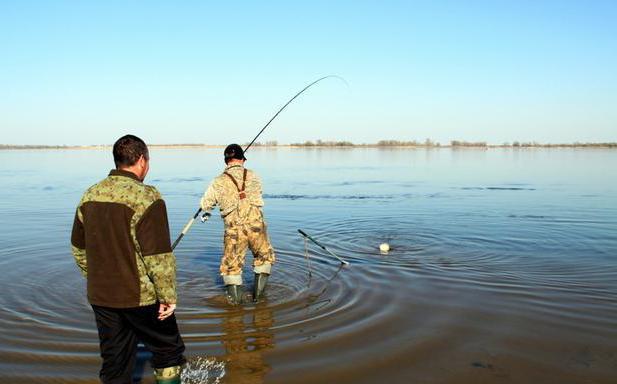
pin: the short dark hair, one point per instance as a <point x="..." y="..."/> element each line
<point x="128" y="149"/>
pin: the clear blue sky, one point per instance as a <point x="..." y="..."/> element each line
<point x="86" y="72"/>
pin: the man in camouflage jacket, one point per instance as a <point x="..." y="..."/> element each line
<point x="120" y="241"/>
<point x="237" y="191"/>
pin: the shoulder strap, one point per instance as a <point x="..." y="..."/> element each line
<point x="233" y="180"/>
<point x="243" y="180"/>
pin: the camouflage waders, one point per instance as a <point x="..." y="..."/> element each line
<point x="245" y="228"/>
<point x="237" y="191"/>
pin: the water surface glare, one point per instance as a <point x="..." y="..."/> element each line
<point x="502" y="268"/>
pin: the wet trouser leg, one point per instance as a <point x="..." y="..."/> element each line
<point x="263" y="255"/>
<point x="234" y="249"/>
<point x="118" y="345"/>
<point x="235" y="243"/>
<point x="259" y="243"/>
<point x="119" y="331"/>
<point x="161" y="337"/>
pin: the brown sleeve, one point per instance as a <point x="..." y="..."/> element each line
<point x="78" y="238"/>
<point x="153" y="230"/>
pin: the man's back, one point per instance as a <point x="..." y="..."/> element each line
<point x="225" y="190"/>
<point x="119" y="223"/>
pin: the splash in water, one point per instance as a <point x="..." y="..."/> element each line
<point x="202" y="370"/>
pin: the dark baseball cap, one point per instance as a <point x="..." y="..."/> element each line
<point x="233" y="151"/>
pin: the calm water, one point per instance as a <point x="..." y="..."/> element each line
<point x="503" y="267"/>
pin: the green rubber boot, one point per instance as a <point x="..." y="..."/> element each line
<point x="234" y="294"/>
<point x="175" y="380"/>
<point x="169" y="375"/>
<point x="261" y="279"/>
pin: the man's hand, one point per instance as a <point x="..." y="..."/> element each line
<point x="166" y="310"/>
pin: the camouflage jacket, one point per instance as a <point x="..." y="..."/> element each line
<point x="120" y="241"/>
<point x="224" y="192"/>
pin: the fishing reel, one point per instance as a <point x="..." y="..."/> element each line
<point x="205" y="216"/>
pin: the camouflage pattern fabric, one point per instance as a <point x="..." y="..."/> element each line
<point x="161" y="271"/>
<point x="249" y="233"/>
<point x="168" y="374"/>
<point x="80" y="259"/>
<point x="224" y="193"/>
<point x="156" y="271"/>
<point x="244" y="223"/>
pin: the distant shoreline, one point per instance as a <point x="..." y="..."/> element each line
<point x="335" y="144"/>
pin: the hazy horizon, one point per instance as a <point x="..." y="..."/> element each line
<point x="319" y="142"/>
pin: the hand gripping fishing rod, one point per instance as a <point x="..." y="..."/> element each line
<point x="207" y="214"/>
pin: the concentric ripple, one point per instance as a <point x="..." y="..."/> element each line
<point x="489" y="279"/>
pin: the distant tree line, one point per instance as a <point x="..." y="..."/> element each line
<point x="271" y="143"/>
<point x="454" y="144"/>
<point x="321" y="143"/>
<point x="9" y="146"/>
<point x="428" y="143"/>
<point x="413" y="143"/>
<point x="457" y="143"/>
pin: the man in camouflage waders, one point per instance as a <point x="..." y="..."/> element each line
<point x="120" y="241"/>
<point x="237" y="191"/>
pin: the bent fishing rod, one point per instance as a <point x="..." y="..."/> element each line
<point x="207" y="214"/>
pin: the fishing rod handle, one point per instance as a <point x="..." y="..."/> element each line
<point x="311" y="239"/>
<point x="187" y="226"/>
<point x="197" y="213"/>
<point x="185" y="229"/>
<point x="173" y="246"/>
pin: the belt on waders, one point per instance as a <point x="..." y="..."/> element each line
<point x="241" y="192"/>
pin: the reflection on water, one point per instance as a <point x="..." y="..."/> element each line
<point x="315" y="301"/>
<point x="502" y="268"/>
<point x="245" y="343"/>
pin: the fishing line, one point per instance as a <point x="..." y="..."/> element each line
<point x="207" y="214"/>
<point x="308" y="260"/>
<point x="312" y="300"/>
<point x="289" y="102"/>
